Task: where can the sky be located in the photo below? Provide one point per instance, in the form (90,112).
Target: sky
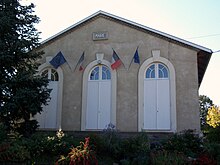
(197,21)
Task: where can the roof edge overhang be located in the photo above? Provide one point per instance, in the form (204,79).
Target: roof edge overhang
(203,59)
(193,45)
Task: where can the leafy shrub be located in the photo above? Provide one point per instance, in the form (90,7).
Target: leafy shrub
(16,150)
(112,147)
(27,128)
(81,154)
(204,159)
(49,146)
(213,134)
(168,157)
(186,142)
(213,149)
(135,150)
(107,143)
(3,133)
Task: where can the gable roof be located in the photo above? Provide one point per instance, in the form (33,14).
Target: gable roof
(203,53)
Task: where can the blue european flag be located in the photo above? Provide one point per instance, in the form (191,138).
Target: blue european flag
(136,57)
(58,60)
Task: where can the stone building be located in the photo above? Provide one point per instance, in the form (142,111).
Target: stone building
(154,89)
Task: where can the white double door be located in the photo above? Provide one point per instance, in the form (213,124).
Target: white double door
(98,111)
(48,117)
(157,104)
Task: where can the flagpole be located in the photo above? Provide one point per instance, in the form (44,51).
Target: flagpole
(132,58)
(69,66)
(75,67)
(130,63)
(78,61)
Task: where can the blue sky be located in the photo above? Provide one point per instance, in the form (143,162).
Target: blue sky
(197,21)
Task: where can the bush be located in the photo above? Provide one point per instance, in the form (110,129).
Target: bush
(107,143)
(16,151)
(168,157)
(213,149)
(49,146)
(110,147)
(81,154)
(136,150)
(213,134)
(186,142)
(3,133)
(27,128)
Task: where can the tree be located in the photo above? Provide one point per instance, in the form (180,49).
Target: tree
(205,103)
(22,91)
(213,116)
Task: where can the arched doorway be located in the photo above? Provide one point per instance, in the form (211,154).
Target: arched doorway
(157,95)
(98,111)
(47,119)
(157,98)
(87,75)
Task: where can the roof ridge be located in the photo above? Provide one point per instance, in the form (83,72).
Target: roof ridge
(132,23)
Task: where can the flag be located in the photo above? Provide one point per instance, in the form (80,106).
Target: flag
(80,62)
(136,57)
(58,60)
(116,61)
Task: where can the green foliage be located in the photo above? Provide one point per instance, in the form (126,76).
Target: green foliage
(213,135)
(15,151)
(22,92)
(108,148)
(186,142)
(107,143)
(205,103)
(27,128)
(168,157)
(136,150)
(44,145)
(3,133)
(111,146)
(213,149)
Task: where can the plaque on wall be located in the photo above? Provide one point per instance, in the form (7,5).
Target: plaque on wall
(100,36)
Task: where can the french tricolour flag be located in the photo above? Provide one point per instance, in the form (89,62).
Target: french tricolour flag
(116,61)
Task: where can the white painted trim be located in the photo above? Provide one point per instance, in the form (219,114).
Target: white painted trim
(60,91)
(134,24)
(85,88)
(141,92)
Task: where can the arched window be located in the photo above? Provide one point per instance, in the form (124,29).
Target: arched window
(51,74)
(106,74)
(100,72)
(162,71)
(157,70)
